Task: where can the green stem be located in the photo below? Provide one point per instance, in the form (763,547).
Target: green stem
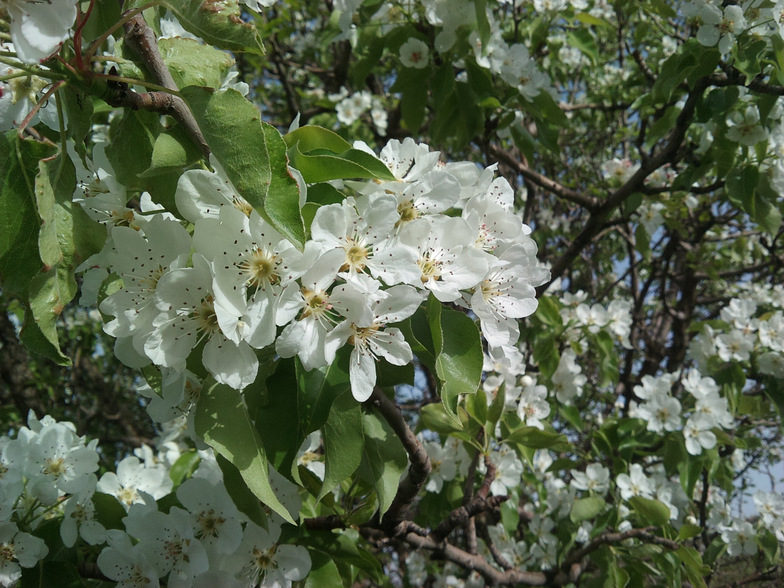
(14,76)
(63,138)
(29,70)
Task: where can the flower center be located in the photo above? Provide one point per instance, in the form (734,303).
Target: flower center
(209,524)
(55,467)
(205,316)
(261,268)
(356,257)
(316,302)
(361,335)
(407,212)
(430,268)
(242,205)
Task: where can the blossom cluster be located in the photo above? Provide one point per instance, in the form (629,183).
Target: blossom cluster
(48,472)
(662,410)
(237,285)
(748,333)
(350,108)
(690,404)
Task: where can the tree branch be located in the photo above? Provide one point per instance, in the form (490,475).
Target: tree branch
(477,563)
(669,154)
(542,181)
(420,463)
(141,39)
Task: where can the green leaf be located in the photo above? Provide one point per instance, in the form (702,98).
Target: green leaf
(253,154)
(132,144)
(412,84)
(49,292)
(108,510)
(763,208)
(442,83)
(19,257)
(244,499)
(571,415)
(275,408)
(482,22)
(312,138)
(344,442)
(192,63)
(384,460)
(774,389)
(660,7)
(223,422)
(322,166)
(548,312)
(89,235)
(545,106)
(546,355)
(523,140)
(321,155)
(172,150)
(608,368)
(62,574)
(548,136)
(459,355)
(361,68)
(642,241)
(584,509)
(54,187)
(323,194)
(496,407)
(416,330)
(434,417)
(689,63)
(344,546)
(219,23)
(78,107)
(688,531)
(458,117)
(184,467)
(584,41)
(589,19)
(749,57)
(662,126)
(481,83)
(651,511)
(720,100)
(696,570)
(323,572)
(770,545)
(534,438)
(317,389)
(632,203)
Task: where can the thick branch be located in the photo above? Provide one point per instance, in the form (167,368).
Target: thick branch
(420,463)
(141,39)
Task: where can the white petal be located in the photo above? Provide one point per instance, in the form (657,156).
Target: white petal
(362,371)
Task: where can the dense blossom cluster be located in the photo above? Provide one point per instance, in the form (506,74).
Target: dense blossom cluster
(237,285)
(749,332)
(576,447)
(690,404)
(48,473)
